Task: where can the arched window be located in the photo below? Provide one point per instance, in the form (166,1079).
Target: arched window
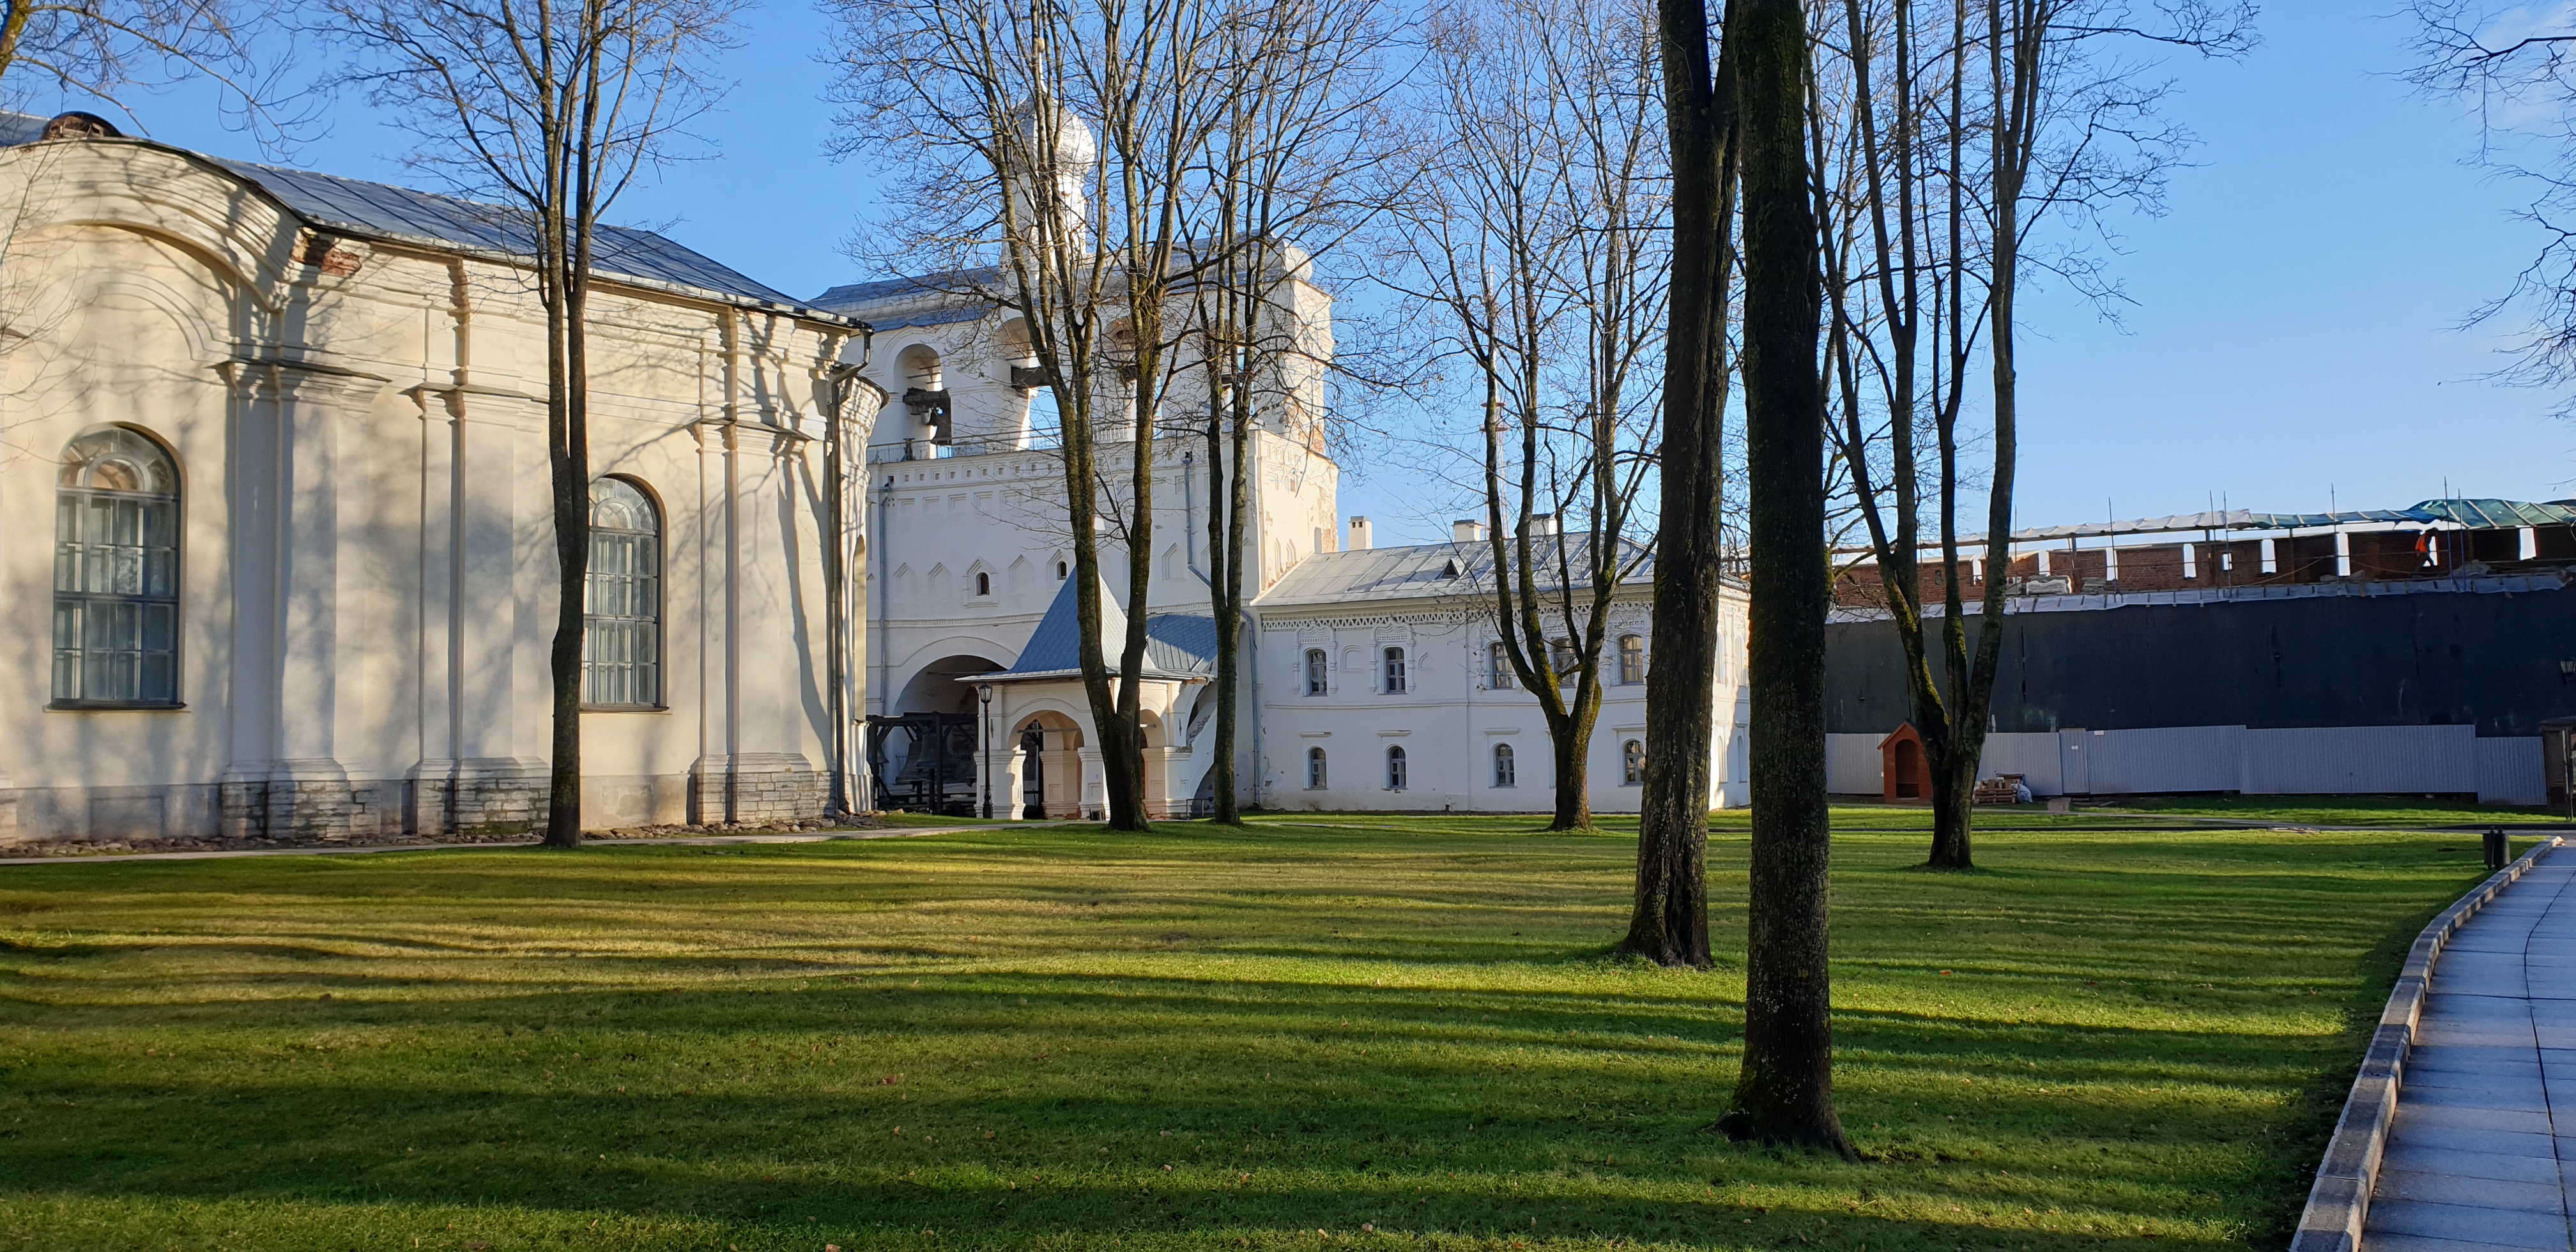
(1504,774)
(983,583)
(1315,672)
(1059,571)
(621,646)
(116,572)
(1395,669)
(1498,667)
(1632,659)
(1632,763)
(1314,769)
(1395,767)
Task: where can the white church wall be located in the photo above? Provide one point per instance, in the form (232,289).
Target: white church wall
(366,586)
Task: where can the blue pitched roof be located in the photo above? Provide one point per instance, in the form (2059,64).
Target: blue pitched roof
(1177,645)
(368,210)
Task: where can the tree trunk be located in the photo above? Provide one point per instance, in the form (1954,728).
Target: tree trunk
(1669,921)
(1228,631)
(1238,515)
(1784,1094)
(569,465)
(1572,766)
(1122,759)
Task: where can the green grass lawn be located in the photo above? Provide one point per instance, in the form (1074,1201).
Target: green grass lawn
(1395,1032)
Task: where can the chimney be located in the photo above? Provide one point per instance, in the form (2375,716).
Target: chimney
(1542,523)
(1467,530)
(1359,534)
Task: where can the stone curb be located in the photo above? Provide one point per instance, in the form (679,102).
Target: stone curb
(2339,1203)
(821,836)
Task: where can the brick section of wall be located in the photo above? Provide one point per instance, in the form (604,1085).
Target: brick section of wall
(2375,556)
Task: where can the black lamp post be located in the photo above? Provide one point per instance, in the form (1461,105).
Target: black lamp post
(984,727)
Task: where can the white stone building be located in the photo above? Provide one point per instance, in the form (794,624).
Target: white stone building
(275,456)
(969,571)
(286,435)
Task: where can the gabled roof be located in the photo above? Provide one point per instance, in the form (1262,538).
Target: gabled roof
(366,210)
(961,287)
(1177,645)
(1430,570)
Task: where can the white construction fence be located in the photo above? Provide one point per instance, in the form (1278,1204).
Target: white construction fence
(2323,760)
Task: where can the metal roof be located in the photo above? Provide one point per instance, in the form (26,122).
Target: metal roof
(368,210)
(2491,584)
(1423,571)
(2479,514)
(964,288)
(1177,645)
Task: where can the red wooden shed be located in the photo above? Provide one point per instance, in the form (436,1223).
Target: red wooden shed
(1902,775)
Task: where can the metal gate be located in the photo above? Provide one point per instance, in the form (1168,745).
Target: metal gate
(937,773)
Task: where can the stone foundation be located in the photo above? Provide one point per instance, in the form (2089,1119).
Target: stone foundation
(755,787)
(469,800)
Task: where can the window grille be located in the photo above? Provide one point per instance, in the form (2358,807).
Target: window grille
(116,572)
(622,599)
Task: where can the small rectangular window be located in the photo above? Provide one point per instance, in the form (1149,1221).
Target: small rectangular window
(1394,670)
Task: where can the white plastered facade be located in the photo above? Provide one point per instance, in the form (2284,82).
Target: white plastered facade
(366,586)
(964,486)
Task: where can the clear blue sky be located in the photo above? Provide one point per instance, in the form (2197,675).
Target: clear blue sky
(2293,339)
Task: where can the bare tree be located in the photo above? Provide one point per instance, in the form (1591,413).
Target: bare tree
(1012,194)
(2517,65)
(1784,1093)
(1669,920)
(104,48)
(1942,144)
(1284,178)
(1535,229)
(554,108)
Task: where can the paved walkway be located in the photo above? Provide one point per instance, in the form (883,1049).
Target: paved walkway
(2482,1154)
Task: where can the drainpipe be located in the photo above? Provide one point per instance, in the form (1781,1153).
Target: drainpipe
(885,578)
(836,800)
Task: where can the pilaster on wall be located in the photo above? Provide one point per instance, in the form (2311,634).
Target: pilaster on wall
(8,810)
(293,642)
(308,799)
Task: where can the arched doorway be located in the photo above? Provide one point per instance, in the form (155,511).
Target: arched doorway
(935,688)
(923,757)
(1050,766)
